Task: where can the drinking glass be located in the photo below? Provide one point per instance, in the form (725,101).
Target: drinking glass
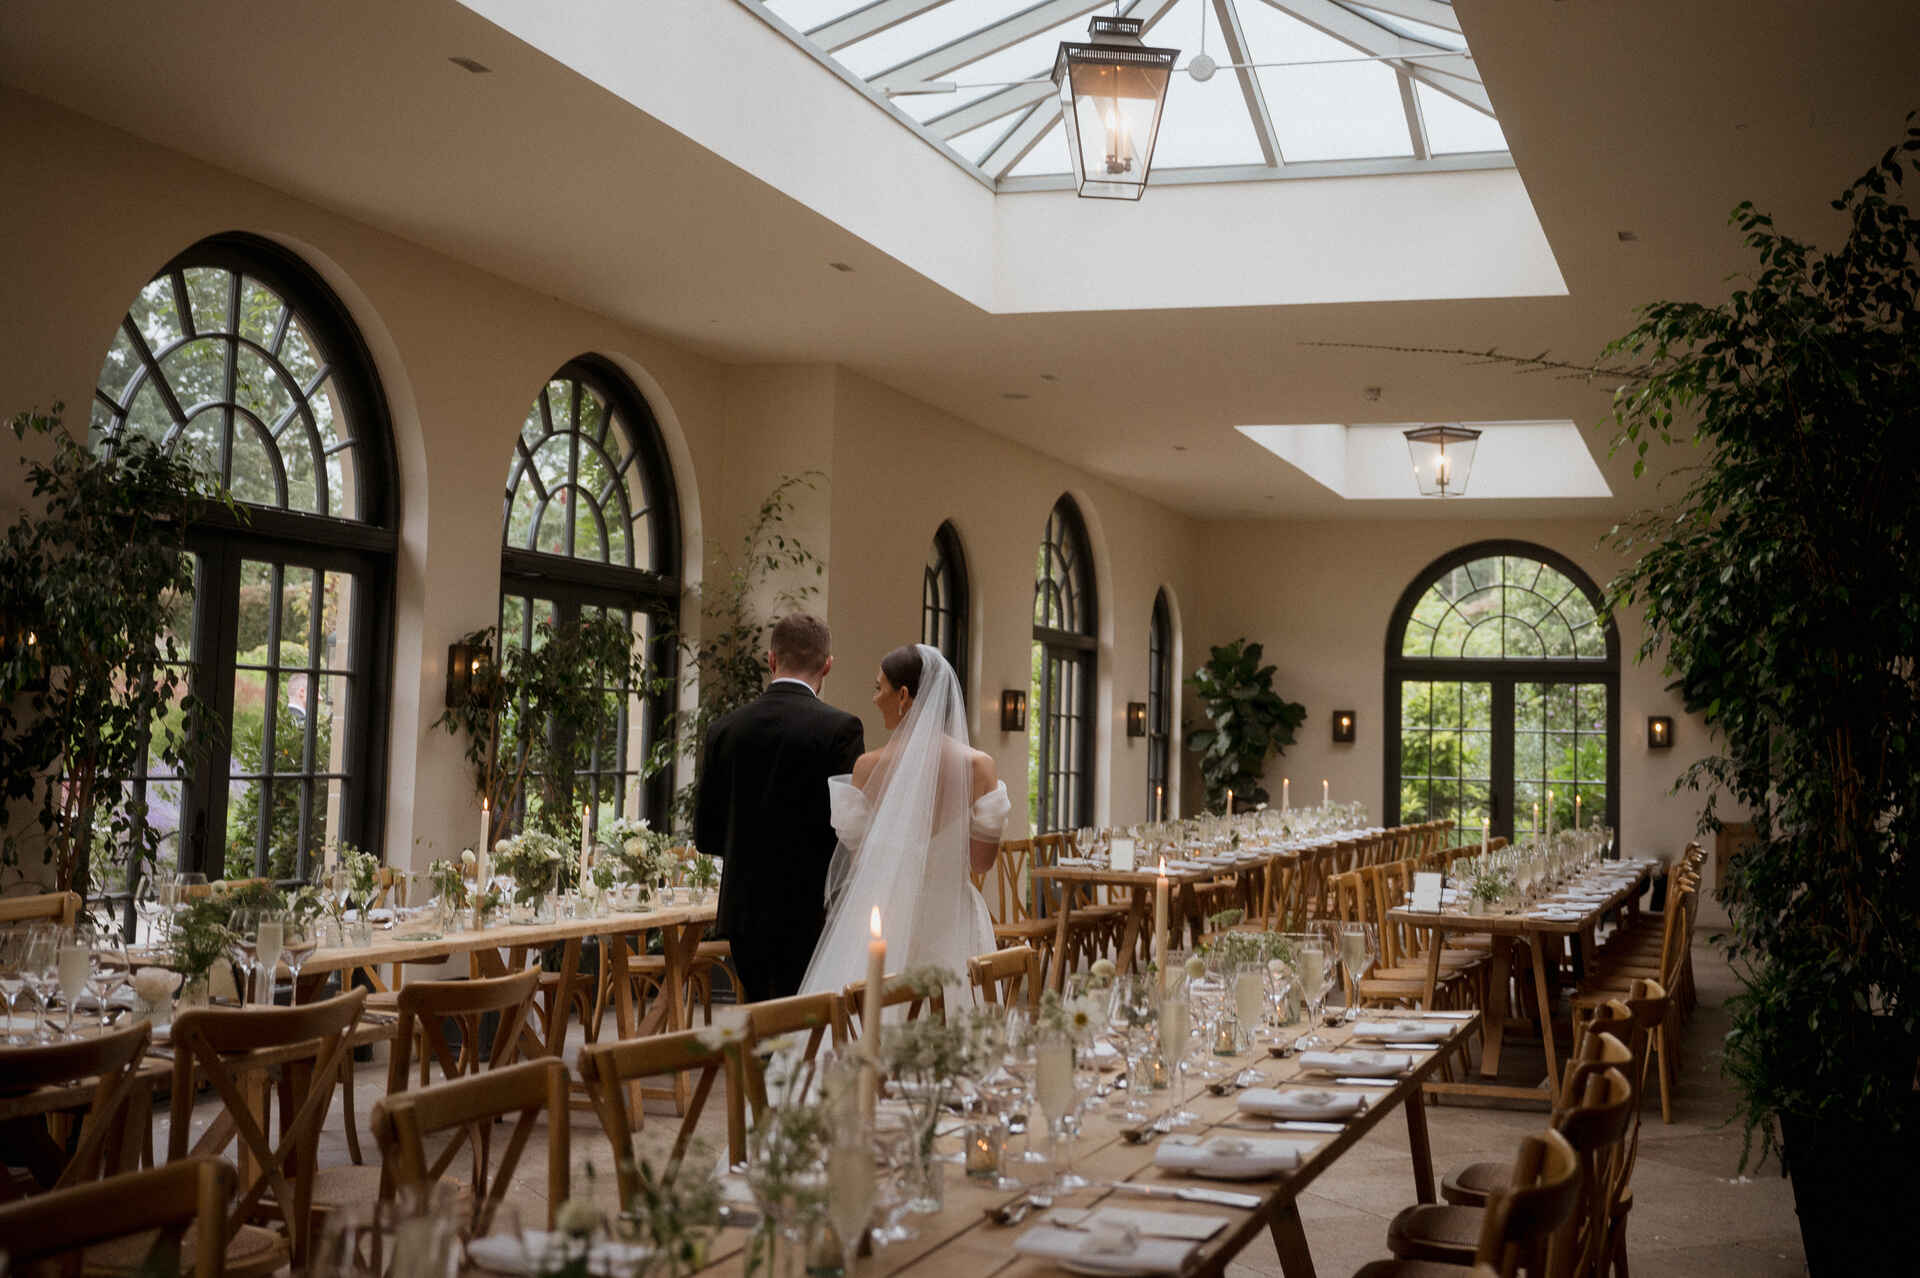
(72,962)
(1058,1095)
(1176,1028)
(1312,970)
(894,1143)
(850,1190)
(240,937)
(1133,1013)
(1250,998)
(1280,989)
(300,940)
(13,977)
(1020,1063)
(269,940)
(42,974)
(1357,950)
(110,969)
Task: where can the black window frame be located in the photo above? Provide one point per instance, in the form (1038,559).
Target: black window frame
(570,583)
(1159,706)
(1069,665)
(946,601)
(365,547)
(1503,674)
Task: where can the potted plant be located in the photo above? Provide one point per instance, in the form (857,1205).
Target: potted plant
(531,861)
(95,583)
(1247,721)
(1781,590)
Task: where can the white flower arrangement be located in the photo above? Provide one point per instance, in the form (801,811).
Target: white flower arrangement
(529,859)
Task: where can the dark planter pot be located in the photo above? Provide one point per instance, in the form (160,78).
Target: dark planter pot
(1854,1186)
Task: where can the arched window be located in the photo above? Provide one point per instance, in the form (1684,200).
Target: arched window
(944,601)
(237,353)
(1159,707)
(1503,681)
(1060,742)
(592,527)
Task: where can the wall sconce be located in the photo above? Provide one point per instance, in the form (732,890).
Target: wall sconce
(19,641)
(1659,732)
(1136,718)
(469,674)
(1013,711)
(1343,727)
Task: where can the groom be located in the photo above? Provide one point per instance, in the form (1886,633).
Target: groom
(763,809)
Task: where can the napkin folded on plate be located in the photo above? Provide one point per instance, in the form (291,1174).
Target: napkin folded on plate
(1394,1031)
(1146,1223)
(1188,865)
(1106,1248)
(1230,1157)
(1357,1064)
(1302,1103)
(529,1254)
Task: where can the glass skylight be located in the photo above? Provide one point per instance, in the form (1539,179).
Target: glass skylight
(1331,85)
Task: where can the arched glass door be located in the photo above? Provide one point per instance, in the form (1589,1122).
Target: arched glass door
(1502,694)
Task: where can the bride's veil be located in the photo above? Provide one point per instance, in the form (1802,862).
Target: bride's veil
(912,862)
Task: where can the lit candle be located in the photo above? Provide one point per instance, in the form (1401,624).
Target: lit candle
(1536,816)
(1159,803)
(1326,793)
(1486,833)
(1160,922)
(1549,814)
(586,843)
(1229,802)
(480,860)
(870,1014)
(1286,794)
(1576,809)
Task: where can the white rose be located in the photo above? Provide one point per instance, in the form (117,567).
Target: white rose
(467,858)
(153,984)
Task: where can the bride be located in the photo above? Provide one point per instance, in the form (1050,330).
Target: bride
(913,817)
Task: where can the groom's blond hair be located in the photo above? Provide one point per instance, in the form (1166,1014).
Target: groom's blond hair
(801,643)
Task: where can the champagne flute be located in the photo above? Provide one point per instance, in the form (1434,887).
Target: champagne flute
(1250,998)
(240,926)
(269,939)
(1176,1028)
(850,1190)
(1133,1012)
(42,965)
(301,939)
(1055,1090)
(1356,957)
(13,977)
(1312,971)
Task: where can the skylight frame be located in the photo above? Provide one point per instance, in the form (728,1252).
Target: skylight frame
(1028,112)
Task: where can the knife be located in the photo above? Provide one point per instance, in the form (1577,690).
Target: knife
(1368,1082)
(1192,1194)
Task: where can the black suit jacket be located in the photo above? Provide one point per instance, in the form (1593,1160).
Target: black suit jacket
(763,810)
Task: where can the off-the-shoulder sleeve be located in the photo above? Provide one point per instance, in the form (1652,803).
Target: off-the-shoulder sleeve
(848,810)
(989,815)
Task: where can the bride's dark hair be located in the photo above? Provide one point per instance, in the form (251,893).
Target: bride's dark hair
(902,668)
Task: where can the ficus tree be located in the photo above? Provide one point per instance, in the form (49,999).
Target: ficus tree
(1247,721)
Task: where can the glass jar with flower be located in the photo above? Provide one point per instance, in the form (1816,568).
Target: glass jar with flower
(637,855)
(356,886)
(531,862)
(450,897)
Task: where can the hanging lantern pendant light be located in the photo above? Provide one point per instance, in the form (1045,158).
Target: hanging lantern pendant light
(1442,458)
(1111,92)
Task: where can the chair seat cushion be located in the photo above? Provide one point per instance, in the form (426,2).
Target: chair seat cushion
(1470,1186)
(251,1251)
(1434,1231)
(1414,1269)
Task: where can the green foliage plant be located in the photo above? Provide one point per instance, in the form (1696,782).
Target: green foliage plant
(97,571)
(1247,721)
(1783,588)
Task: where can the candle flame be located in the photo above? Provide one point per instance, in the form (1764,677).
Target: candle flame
(874,923)
(1163,867)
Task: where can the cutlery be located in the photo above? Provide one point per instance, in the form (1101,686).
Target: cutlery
(1306,1125)
(1191,1194)
(1147,1131)
(1368,1082)
(1012,1213)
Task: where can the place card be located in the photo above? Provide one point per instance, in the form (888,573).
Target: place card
(1121,857)
(1426,891)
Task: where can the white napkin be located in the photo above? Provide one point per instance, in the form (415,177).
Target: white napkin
(1146,1223)
(1394,1031)
(505,1254)
(1107,1249)
(1357,1064)
(1300,1102)
(1231,1157)
(1106,1055)
(1187,865)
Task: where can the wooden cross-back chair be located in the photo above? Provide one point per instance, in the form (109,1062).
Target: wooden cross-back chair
(1009,977)
(1089,921)
(609,1071)
(819,1017)
(526,1092)
(1618,979)
(1105,917)
(40,907)
(114,1128)
(1014,920)
(649,971)
(1528,1225)
(1403,948)
(895,993)
(247,1055)
(1385,985)
(63,1232)
(1283,902)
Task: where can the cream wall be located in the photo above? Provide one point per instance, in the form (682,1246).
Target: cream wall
(1319,595)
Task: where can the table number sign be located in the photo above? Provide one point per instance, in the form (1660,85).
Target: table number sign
(1122,855)
(1426,891)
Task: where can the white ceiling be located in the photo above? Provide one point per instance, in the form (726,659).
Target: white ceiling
(1622,115)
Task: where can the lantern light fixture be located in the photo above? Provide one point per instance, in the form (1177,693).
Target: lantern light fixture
(1136,718)
(1112,89)
(1343,727)
(469,674)
(1013,711)
(1442,457)
(1659,732)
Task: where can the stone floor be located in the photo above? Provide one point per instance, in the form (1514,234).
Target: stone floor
(1694,1213)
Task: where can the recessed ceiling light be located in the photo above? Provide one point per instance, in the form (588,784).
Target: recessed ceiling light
(842,267)
(1627,237)
(1015,395)
(1179,448)
(1372,394)
(1049,377)
(471,64)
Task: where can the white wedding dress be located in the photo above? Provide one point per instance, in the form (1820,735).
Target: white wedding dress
(904,847)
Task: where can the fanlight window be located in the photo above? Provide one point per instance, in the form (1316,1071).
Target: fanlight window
(577,486)
(1060,594)
(1505,607)
(215,361)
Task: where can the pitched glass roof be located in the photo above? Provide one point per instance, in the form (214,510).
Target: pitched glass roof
(1304,87)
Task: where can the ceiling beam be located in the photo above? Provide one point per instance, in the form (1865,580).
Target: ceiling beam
(1369,37)
(1024,137)
(1256,98)
(935,63)
(1416,122)
(1431,12)
(868,20)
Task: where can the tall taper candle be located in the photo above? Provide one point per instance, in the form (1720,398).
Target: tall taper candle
(1486,834)
(1576,809)
(870,1013)
(1160,922)
(1159,803)
(1229,802)
(1286,794)
(1536,818)
(1549,815)
(586,843)
(1326,793)
(481,857)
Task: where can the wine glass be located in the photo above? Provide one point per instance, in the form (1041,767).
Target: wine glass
(1176,1028)
(1312,971)
(111,967)
(1280,988)
(1357,950)
(240,938)
(1059,1099)
(850,1189)
(893,1143)
(1019,1062)
(1133,1013)
(298,942)
(41,969)
(1249,992)
(13,978)
(269,939)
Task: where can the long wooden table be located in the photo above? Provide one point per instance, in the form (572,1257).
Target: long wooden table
(959,1240)
(1183,908)
(1536,932)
